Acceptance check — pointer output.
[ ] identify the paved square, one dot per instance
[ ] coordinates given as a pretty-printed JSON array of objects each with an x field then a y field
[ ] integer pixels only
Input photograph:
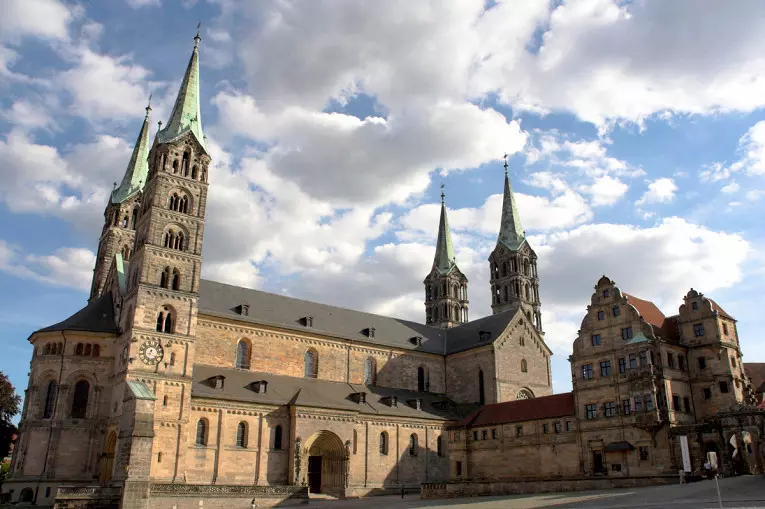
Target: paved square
[{"x": 737, "y": 492}]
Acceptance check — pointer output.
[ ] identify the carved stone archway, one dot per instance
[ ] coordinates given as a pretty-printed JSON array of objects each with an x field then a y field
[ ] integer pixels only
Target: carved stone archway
[{"x": 324, "y": 459}]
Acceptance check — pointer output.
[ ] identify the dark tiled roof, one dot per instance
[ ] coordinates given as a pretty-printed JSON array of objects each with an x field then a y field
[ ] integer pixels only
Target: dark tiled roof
[
  {"x": 222, "y": 300},
  {"x": 721, "y": 311},
  {"x": 756, "y": 371},
  {"x": 546, "y": 407},
  {"x": 312, "y": 392},
  {"x": 97, "y": 316}
]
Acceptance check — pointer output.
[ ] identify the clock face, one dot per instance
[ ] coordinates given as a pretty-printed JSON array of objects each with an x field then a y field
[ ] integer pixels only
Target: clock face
[{"x": 151, "y": 352}]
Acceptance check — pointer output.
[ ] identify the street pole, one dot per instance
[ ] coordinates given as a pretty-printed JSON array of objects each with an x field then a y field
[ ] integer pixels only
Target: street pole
[{"x": 719, "y": 498}]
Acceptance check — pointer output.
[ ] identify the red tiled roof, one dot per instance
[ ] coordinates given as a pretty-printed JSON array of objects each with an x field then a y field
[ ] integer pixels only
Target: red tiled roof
[
  {"x": 647, "y": 310},
  {"x": 546, "y": 407},
  {"x": 721, "y": 311},
  {"x": 756, "y": 371}
]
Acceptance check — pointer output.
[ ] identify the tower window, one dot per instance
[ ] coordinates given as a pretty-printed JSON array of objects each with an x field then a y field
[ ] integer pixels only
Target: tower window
[
  {"x": 165, "y": 321},
  {"x": 369, "y": 371},
  {"x": 50, "y": 400},
  {"x": 698, "y": 329},
  {"x": 524, "y": 366},
  {"x": 384, "y": 443},
  {"x": 80, "y": 399},
  {"x": 243, "y": 354},
  {"x": 278, "y": 438},
  {"x": 194, "y": 172},
  {"x": 481, "y": 395},
  {"x": 241, "y": 435},
  {"x": 201, "y": 438},
  {"x": 173, "y": 240},
  {"x": 311, "y": 363},
  {"x": 185, "y": 164},
  {"x": 422, "y": 379},
  {"x": 413, "y": 448}
]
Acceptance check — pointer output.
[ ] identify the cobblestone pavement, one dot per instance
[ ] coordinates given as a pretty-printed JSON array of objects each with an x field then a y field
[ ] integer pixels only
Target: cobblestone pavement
[{"x": 737, "y": 492}]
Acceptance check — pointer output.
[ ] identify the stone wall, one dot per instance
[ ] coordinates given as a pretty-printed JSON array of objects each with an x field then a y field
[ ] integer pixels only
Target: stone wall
[
  {"x": 522, "y": 343},
  {"x": 190, "y": 496},
  {"x": 516, "y": 487}
]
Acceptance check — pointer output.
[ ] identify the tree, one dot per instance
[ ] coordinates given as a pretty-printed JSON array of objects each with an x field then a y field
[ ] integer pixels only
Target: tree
[{"x": 10, "y": 404}]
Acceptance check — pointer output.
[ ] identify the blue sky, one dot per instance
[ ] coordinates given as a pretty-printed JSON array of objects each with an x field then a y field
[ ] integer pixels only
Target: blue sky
[{"x": 636, "y": 132}]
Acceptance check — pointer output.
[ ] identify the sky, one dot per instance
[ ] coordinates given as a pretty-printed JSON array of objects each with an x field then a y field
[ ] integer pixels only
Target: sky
[{"x": 635, "y": 132}]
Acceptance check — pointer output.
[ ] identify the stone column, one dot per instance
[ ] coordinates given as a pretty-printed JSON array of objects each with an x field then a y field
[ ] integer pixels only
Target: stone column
[{"x": 134, "y": 452}]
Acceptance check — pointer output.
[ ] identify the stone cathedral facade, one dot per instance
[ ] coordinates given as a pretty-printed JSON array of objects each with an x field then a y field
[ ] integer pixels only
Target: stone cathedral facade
[{"x": 169, "y": 391}]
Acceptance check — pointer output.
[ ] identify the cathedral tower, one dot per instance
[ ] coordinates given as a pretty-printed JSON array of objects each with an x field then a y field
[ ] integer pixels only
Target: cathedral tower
[
  {"x": 121, "y": 214},
  {"x": 162, "y": 289},
  {"x": 513, "y": 264},
  {"x": 446, "y": 302}
]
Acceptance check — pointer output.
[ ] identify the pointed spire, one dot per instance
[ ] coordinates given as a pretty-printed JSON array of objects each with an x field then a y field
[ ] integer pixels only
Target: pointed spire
[
  {"x": 186, "y": 110},
  {"x": 511, "y": 232},
  {"x": 138, "y": 167},
  {"x": 444, "y": 261}
]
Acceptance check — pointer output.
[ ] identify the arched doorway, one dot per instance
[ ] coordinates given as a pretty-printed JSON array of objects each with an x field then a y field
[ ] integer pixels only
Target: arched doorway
[
  {"x": 107, "y": 459},
  {"x": 326, "y": 463}
]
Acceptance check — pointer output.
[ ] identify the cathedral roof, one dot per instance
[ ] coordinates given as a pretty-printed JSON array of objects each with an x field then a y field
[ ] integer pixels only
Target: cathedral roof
[
  {"x": 138, "y": 167},
  {"x": 186, "y": 114},
  {"x": 511, "y": 233},
  {"x": 663, "y": 327},
  {"x": 756, "y": 372},
  {"x": 223, "y": 300},
  {"x": 444, "y": 260},
  {"x": 546, "y": 407},
  {"x": 314, "y": 392},
  {"x": 97, "y": 316}
]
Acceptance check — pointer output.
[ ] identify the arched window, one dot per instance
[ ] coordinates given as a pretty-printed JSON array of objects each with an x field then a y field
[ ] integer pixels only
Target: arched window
[
  {"x": 46, "y": 349},
  {"x": 506, "y": 293},
  {"x": 159, "y": 457},
  {"x": 165, "y": 321},
  {"x": 311, "y": 363},
  {"x": 79, "y": 349},
  {"x": 184, "y": 205},
  {"x": 278, "y": 438},
  {"x": 88, "y": 350},
  {"x": 173, "y": 240},
  {"x": 164, "y": 278},
  {"x": 125, "y": 222},
  {"x": 481, "y": 395},
  {"x": 185, "y": 164},
  {"x": 172, "y": 358},
  {"x": 524, "y": 366},
  {"x": 422, "y": 379},
  {"x": 241, "y": 434},
  {"x": 204, "y": 175},
  {"x": 194, "y": 172},
  {"x": 50, "y": 400},
  {"x": 27, "y": 495},
  {"x": 504, "y": 269},
  {"x": 435, "y": 313},
  {"x": 201, "y": 432},
  {"x": 162, "y": 161},
  {"x": 439, "y": 446},
  {"x": 413, "y": 444},
  {"x": 369, "y": 371},
  {"x": 125, "y": 252},
  {"x": 134, "y": 218},
  {"x": 243, "y": 354},
  {"x": 175, "y": 166},
  {"x": 80, "y": 399},
  {"x": 383, "y": 443},
  {"x": 96, "y": 350},
  {"x": 176, "y": 279}
]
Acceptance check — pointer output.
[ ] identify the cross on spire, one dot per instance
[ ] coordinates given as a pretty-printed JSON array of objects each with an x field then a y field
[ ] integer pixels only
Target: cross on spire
[
  {"x": 196, "y": 37},
  {"x": 148, "y": 106},
  {"x": 442, "y": 193},
  {"x": 505, "y": 156}
]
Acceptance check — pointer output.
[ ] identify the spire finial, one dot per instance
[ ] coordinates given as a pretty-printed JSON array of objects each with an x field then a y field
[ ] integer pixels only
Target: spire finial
[
  {"x": 148, "y": 106},
  {"x": 505, "y": 156},
  {"x": 159, "y": 123},
  {"x": 442, "y": 193},
  {"x": 196, "y": 37}
]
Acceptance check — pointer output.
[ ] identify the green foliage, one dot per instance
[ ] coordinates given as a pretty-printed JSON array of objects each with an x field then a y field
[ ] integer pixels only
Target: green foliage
[{"x": 10, "y": 404}]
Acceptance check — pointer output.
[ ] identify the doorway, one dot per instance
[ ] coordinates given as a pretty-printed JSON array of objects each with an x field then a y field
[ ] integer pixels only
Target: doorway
[
  {"x": 597, "y": 462},
  {"x": 314, "y": 474}
]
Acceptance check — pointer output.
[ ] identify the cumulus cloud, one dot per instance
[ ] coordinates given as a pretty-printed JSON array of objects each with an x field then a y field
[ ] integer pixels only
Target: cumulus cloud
[
  {"x": 71, "y": 267},
  {"x": 661, "y": 190},
  {"x": 46, "y": 19},
  {"x": 605, "y": 190}
]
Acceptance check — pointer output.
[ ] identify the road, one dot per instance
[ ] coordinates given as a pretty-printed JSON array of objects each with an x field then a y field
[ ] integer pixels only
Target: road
[{"x": 737, "y": 492}]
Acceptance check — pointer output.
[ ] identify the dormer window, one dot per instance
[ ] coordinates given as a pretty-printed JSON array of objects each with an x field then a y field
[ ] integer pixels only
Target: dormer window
[
  {"x": 416, "y": 403},
  {"x": 484, "y": 336},
  {"x": 260, "y": 386},
  {"x": 416, "y": 340},
  {"x": 216, "y": 382},
  {"x": 391, "y": 400},
  {"x": 359, "y": 397},
  {"x": 243, "y": 309},
  {"x": 307, "y": 321},
  {"x": 370, "y": 332}
]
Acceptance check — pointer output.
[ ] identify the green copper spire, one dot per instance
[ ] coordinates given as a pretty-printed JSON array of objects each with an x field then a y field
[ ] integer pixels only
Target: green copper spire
[
  {"x": 510, "y": 230},
  {"x": 186, "y": 111},
  {"x": 444, "y": 261},
  {"x": 138, "y": 167}
]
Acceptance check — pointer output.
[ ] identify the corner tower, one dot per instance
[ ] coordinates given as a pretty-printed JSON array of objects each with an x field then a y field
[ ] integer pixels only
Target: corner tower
[
  {"x": 121, "y": 214},
  {"x": 446, "y": 302},
  {"x": 513, "y": 264},
  {"x": 161, "y": 298}
]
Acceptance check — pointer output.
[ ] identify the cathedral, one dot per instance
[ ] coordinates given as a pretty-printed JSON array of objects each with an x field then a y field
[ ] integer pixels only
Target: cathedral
[{"x": 170, "y": 391}]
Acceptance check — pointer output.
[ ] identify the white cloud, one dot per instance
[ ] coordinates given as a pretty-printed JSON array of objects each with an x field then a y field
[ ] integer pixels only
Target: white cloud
[
  {"x": 732, "y": 187},
  {"x": 71, "y": 267},
  {"x": 46, "y": 19},
  {"x": 137, "y": 4},
  {"x": 349, "y": 161},
  {"x": 104, "y": 86},
  {"x": 661, "y": 190},
  {"x": 751, "y": 146},
  {"x": 605, "y": 190},
  {"x": 26, "y": 115}
]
